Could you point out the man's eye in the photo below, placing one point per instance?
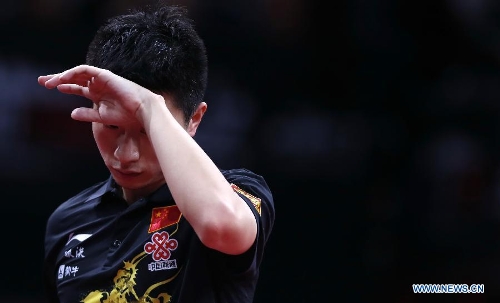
(111, 126)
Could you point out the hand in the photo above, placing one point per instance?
(116, 99)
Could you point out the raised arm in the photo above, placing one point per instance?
(220, 218)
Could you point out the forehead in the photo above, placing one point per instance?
(177, 112)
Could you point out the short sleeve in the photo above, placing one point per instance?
(254, 190)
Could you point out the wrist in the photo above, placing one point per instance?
(149, 105)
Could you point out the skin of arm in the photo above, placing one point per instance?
(218, 215)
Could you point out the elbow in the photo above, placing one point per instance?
(229, 232)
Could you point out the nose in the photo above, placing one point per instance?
(128, 149)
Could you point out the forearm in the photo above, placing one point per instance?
(218, 215)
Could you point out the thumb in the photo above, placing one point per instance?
(85, 114)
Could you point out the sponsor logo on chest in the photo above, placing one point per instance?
(160, 248)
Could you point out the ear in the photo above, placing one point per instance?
(195, 120)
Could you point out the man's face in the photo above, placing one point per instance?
(129, 155)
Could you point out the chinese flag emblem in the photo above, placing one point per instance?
(162, 217)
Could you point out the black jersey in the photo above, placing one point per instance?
(99, 249)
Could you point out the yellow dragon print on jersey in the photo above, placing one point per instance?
(123, 289)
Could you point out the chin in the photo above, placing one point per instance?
(128, 182)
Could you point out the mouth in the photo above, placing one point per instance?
(126, 173)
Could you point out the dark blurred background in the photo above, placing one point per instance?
(374, 122)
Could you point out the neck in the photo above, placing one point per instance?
(132, 195)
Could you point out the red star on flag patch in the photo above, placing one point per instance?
(162, 217)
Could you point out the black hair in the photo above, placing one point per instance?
(156, 47)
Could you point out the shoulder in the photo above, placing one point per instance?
(255, 190)
(243, 175)
(249, 182)
(75, 202)
(86, 194)
(73, 212)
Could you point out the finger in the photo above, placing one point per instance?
(73, 89)
(80, 75)
(55, 81)
(85, 114)
(81, 72)
(78, 80)
(43, 79)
